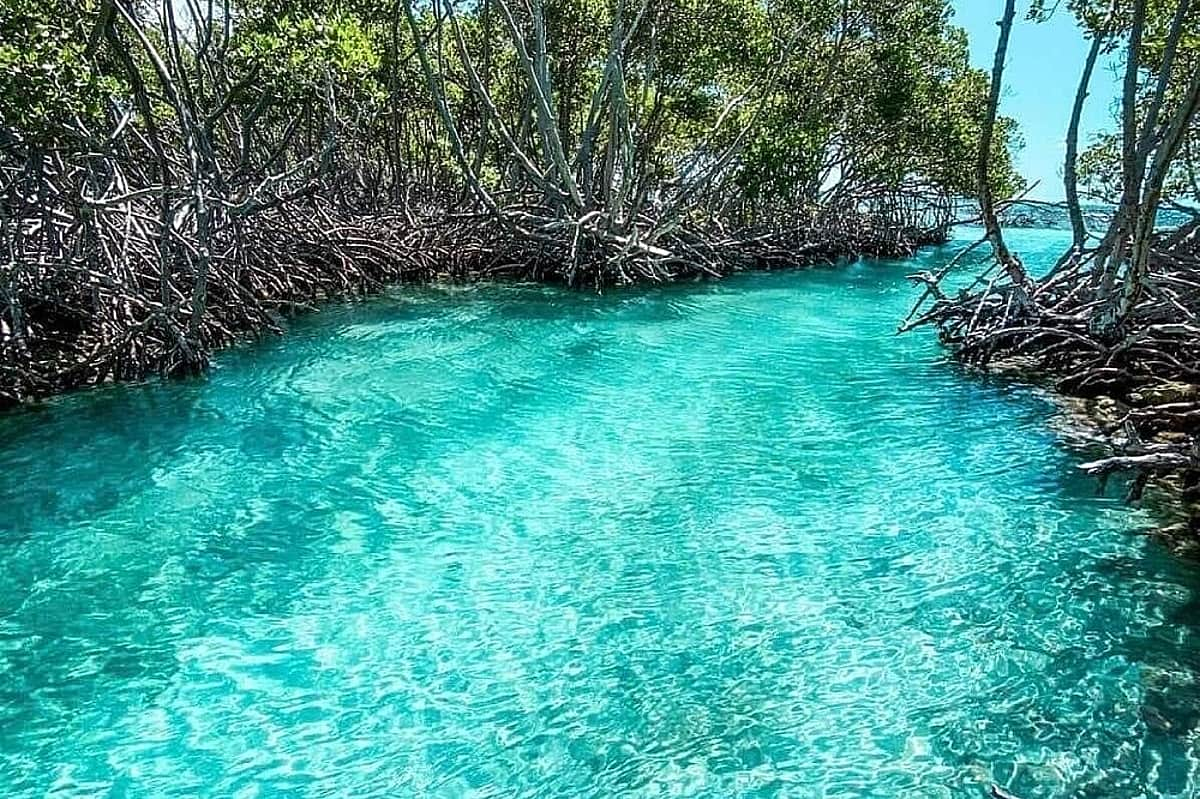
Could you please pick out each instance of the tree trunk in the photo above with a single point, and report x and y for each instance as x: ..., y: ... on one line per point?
x: 1070, y: 165
x: 1143, y: 229
x: 987, y: 204
x: 1112, y: 250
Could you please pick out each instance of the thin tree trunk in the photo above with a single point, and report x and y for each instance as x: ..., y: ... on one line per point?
x: 1112, y: 249
x: 1070, y: 165
x: 487, y: 108
x: 1150, y: 127
x: 438, y: 95
x: 1143, y: 230
x: 536, y: 71
x: 483, y: 96
x: 987, y: 205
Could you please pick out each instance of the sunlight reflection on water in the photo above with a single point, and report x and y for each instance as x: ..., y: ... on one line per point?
x: 719, y: 540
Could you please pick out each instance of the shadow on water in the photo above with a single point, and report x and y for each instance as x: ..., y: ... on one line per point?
x: 88, y: 441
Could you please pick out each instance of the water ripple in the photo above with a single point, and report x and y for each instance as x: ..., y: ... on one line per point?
x: 709, y: 541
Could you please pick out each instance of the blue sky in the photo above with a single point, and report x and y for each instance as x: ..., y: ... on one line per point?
x: 1040, y: 77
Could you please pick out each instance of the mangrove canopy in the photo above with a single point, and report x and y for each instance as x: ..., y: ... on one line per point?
x: 176, y: 174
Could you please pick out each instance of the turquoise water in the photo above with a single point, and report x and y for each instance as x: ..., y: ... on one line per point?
x: 728, y: 540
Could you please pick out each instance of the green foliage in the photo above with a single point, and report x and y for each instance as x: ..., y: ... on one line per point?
x: 820, y: 99
x: 877, y: 97
x: 48, y: 79
x: 298, y: 56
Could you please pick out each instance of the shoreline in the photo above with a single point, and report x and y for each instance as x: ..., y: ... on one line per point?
x: 1094, y: 429
x: 362, y: 257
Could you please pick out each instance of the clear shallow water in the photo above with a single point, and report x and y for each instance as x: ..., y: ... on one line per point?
x: 731, y: 540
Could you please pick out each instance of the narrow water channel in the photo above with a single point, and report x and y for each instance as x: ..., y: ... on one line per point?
x: 724, y: 540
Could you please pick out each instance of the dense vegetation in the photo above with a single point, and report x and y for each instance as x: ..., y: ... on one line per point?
x: 177, y: 173
x: 174, y: 174
x: 1116, y: 317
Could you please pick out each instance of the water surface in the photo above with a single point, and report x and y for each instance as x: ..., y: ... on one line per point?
x: 725, y: 540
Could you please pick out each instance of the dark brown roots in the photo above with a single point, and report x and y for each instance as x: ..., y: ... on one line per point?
x: 119, y: 303
x: 102, y: 296
x: 1067, y: 327
x: 530, y: 242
